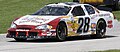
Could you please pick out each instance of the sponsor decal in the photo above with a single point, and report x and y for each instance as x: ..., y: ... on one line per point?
x: 33, y: 19
x: 104, y: 15
x: 93, y: 28
x: 94, y: 16
x: 22, y: 30
x: 93, y: 25
x: 101, y: 15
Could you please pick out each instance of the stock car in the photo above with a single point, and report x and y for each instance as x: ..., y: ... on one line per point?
x: 61, y: 20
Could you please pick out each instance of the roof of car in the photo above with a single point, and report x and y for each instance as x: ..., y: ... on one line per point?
x: 67, y: 4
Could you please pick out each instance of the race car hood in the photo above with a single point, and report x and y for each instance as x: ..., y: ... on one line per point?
x: 35, y: 20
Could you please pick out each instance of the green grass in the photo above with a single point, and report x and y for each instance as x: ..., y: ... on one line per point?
x: 108, y: 51
x: 117, y: 14
x: 11, y: 9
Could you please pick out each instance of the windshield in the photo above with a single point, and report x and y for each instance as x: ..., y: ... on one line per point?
x: 53, y: 10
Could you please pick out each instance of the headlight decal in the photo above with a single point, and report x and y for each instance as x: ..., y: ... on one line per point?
x: 13, y: 25
x: 44, y: 27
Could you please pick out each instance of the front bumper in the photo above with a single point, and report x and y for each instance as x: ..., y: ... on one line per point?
x: 36, y: 34
x: 32, y: 37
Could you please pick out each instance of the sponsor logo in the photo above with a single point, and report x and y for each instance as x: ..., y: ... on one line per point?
x: 22, y: 30
x: 33, y: 19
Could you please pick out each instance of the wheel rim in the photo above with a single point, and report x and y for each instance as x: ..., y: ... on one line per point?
x: 101, y: 29
x: 61, y: 32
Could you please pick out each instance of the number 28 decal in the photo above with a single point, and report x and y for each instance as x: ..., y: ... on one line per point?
x: 84, y: 25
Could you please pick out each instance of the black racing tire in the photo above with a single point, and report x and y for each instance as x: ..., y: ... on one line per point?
x: 61, y: 31
x: 20, y: 39
x: 100, y: 29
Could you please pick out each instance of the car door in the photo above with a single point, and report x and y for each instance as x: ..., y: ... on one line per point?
x: 81, y: 19
x: 93, y: 14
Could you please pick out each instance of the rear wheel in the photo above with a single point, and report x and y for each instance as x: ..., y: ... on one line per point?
x: 100, y: 29
x: 20, y: 39
x: 61, y: 31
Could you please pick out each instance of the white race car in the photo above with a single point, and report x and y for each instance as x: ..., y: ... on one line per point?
x: 61, y: 20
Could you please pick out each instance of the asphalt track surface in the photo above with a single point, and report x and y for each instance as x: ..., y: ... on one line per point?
x: 72, y: 44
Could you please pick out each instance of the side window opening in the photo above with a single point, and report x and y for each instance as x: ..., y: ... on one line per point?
x: 78, y: 11
x: 90, y: 9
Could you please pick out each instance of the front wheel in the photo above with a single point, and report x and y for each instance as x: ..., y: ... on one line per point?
x: 61, y: 31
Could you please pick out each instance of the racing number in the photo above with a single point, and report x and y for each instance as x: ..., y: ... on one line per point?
x: 80, y: 22
x: 83, y: 23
